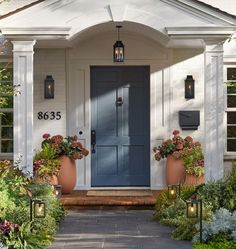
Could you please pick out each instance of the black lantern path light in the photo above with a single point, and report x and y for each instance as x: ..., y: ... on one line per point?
x: 194, y: 206
x: 194, y: 210
x: 37, y: 209
x: 174, y: 191
x: 118, y: 48
x: 57, y: 190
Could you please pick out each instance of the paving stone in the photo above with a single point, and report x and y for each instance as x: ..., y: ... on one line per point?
x: 114, y: 230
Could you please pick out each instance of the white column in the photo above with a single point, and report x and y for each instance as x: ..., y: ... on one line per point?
x: 23, y: 103
x: 214, y: 111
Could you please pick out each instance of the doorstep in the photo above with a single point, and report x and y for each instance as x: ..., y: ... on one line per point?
x: 132, y: 199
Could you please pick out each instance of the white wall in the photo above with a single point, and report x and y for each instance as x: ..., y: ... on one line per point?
x: 49, y: 62
x: 169, y: 68
x: 187, y: 62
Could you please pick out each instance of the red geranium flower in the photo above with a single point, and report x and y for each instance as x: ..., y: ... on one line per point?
x: 46, y: 136
x: 175, y: 132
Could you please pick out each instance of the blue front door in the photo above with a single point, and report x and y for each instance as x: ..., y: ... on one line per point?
x: 121, y: 121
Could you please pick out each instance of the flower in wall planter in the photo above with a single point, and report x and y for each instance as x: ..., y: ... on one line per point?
x: 67, y: 150
x: 184, y: 158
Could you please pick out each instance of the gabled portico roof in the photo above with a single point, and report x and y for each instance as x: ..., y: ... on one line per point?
x: 66, y: 19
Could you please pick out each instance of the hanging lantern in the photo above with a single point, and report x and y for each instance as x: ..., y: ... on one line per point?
x: 37, y: 209
x: 57, y: 190
x: 118, y: 48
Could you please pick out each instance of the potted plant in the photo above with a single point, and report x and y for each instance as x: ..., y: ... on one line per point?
x: 68, y: 149
x: 194, y: 165
x: 172, y: 150
x: 46, y: 166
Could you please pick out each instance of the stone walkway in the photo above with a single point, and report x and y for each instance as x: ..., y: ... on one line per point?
x: 114, y: 230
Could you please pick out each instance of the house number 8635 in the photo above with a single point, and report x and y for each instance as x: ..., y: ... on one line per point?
x: 49, y: 115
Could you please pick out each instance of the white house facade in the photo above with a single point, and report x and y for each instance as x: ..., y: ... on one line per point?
x: 165, y: 41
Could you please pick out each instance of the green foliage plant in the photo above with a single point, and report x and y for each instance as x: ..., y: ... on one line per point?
x: 14, y: 206
x: 46, y: 163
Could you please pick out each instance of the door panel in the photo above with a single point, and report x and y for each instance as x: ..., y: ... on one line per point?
x: 122, y: 153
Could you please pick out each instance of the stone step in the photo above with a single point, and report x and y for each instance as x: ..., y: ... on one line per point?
x: 83, y: 200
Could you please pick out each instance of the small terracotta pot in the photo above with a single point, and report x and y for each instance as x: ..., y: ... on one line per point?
x: 175, y: 171
x: 192, y: 180
x: 67, y: 174
x: 49, y: 179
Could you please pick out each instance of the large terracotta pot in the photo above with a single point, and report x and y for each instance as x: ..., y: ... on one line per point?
x: 175, y: 171
x: 192, y: 180
x: 67, y: 174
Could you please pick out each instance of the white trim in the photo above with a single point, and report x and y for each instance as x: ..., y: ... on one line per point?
x: 23, y: 103
x: 43, y: 32
x: 204, y: 12
x: 201, y: 32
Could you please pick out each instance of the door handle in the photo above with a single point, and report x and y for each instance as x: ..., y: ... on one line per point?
x: 93, y: 140
x: 119, y: 101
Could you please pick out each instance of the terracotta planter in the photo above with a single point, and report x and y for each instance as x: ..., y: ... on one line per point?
x: 49, y: 179
x: 192, y: 180
x: 175, y: 171
x: 67, y: 174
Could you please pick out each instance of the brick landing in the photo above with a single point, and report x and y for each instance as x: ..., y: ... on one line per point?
x: 80, y: 200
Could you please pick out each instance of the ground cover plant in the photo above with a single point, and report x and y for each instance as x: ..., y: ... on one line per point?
x: 219, y: 213
x: 16, y: 229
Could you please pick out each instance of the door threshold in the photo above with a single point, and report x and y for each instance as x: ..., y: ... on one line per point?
x: 120, y: 188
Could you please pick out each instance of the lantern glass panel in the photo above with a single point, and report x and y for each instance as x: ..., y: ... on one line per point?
x: 57, y: 190
x: 39, y: 209
x: 173, y: 191
x: 49, y: 87
x: 192, y: 209
x: 118, y: 51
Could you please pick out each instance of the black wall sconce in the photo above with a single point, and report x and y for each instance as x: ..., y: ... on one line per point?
x: 118, y: 48
x: 173, y: 191
x: 189, y: 87
x: 194, y: 210
x: 49, y: 87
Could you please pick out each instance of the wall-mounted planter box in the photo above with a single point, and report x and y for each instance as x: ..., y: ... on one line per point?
x: 189, y: 120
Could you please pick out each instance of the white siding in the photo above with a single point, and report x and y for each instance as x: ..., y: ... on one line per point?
x: 49, y: 62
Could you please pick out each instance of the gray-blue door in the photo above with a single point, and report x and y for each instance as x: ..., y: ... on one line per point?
x: 121, y: 120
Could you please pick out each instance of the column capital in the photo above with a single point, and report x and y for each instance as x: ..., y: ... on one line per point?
x: 214, y: 45
x: 23, y: 46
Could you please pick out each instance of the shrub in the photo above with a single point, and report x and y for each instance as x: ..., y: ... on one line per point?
x: 222, y: 225
x: 225, y: 244
x: 14, y: 205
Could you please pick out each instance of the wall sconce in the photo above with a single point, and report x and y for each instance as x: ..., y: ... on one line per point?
x: 57, y: 190
x: 118, y: 48
x: 37, y: 209
x: 173, y: 191
x: 192, y: 212
x: 49, y: 87
x: 189, y: 87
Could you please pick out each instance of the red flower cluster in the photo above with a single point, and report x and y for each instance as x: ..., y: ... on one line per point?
x: 174, y: 146
x: 68, y: 146
x: 6, y: 227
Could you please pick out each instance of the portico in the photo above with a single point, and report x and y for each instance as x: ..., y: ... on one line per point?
x: 172, y: 38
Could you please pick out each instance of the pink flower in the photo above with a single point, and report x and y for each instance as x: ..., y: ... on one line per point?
x: 175, y: 132
x: 46, y: 136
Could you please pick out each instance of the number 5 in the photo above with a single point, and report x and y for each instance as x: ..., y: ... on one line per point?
x: 58, y: 115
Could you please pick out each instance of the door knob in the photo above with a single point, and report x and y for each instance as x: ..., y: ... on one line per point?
x: 119, y: 101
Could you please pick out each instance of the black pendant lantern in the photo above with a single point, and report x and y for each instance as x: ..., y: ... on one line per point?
x: 49, y: 87
x: 118, y: 48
